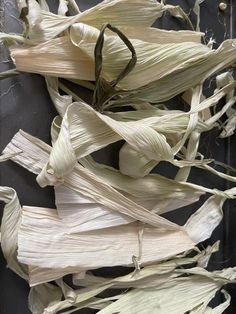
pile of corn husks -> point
(106, 217)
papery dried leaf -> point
(10, 224)
(42, 296)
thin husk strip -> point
(61, 102)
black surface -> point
(25, 104)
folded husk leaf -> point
(42, 296)
(84, 131)
(34, 157)
(10, 224)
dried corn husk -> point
(11, 221)
(101, 248)
(61, 102)
(103, 217)
(191, 293)
(166, 58)
(40, 275)
(42, 296)
(149, 276)
(59, 51)
(177, 82)
(27, 244)
(48, 26)
(193, 286)
(161, 36)
(152, 187)
(34, 156)
(83, 214)
(84, 131)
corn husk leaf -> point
(230, 126)
(177, 82)
(48, 26)
(79, 137)
(149, 276)
(210, 210)
(161, 36)
(161, 58)
(43, 5)
(40, 275)
(61, 102)
(201, 278)
(63, 7)
(46, 58)
(101, 248)
(190, 293)
(42, 296)
(10, 224)
(151, 187)
(220, 308)
(167, 59)
(82, 214)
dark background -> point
(25, 104)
